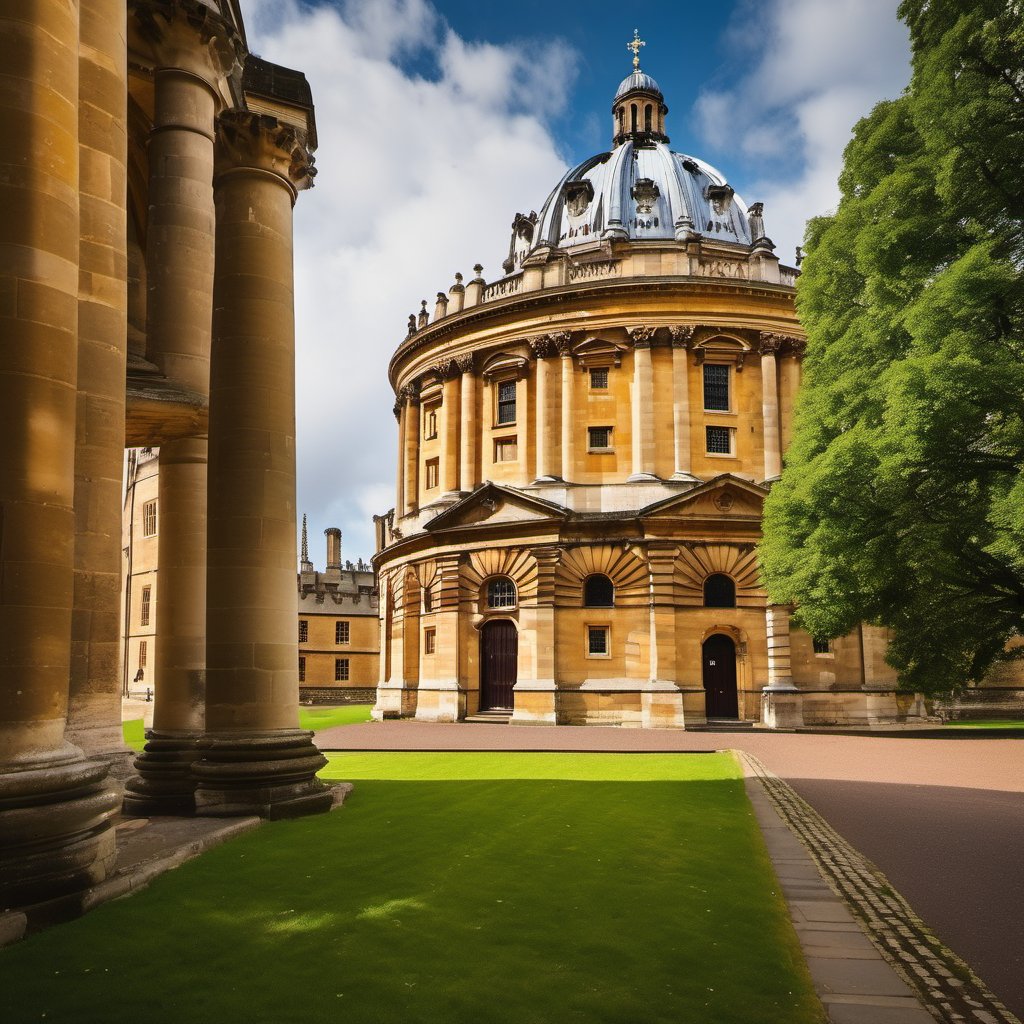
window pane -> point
(716, 387)
(341, 670)
(302, 670)
(718, 440)
(822, 646)
(501, 593)
(599, 378)
(144, 611)
(598, 639)
(303, 631)
(598, 591)
(507, 401)
(599, 437)
(719, 591)
(149, 519)
(341, 632)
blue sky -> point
(438, 120)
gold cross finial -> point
(635, 47)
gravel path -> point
(943, 819)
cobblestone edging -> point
(948, 987)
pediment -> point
(722, 497)
(491, 503)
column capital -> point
(190, 36)
(465, 362)
(541, 345)
(641, 336)
(250, 141)
(681, 335)
(768, 344)
(797, 347)
(446, 369)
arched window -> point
(622, 118)
(647, 118)
(632, 117)
(501, 593)
(719, 591)
(598, 591)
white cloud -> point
(418, 178)
(817, 68)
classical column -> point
(94, 711)
(789, 373)
(55, 806)
(392, 644)
(662, 700)
(469, 429)
(770, 344)
(642, 403)
(253, 757)
(411, 449)
(440, 697)
(543, 348)
(568, 411)
(179, 310)
(399, 411)
(781, 701)
(681, 337)
(451, 408)
(535, 699)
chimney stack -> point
(333, 535)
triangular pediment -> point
(492, 503)
(722, 497)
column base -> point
(164, 784)
(56, 833)
(444, 704)
(534, 703)
(388, 703)
(643, 478)
(271, 774)
(661, 707)
(549, 479)
(685, 477)
(782, 708)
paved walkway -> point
(942, 819)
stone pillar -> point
(643, 405)
(568, 412)
(543, 348)
(411, 450)
(179, 310)
(535, 700)
(681, 337)
(781, 701)
(662, 700)
(55, 805)
(399, 410)
(789, 372)
(392, 649)
(451, 406)
(770, 344)
(94, 711)
(253, 757)
(439, 697)
(469, 429)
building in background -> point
(338, 628)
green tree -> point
(902, 498)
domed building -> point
(585, 445)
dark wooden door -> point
(499, 659)
(719, 660)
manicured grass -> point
(325, 718)
(992, 723)
(134, 732)
(480, 888)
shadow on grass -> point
(479, 900)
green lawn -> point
(309, 718)
(991, 723)
(477, 888)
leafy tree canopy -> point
(902, 498)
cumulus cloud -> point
(815, 69)
(419, 177)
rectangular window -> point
(341, 670)
(507, 401)
(599, 378)
(145, 605)
(716, 387)
(428, 600)
(341, 632)
(429, 641)
(719, 440)
(506, 449)
(599, 439)
(302, 670)
(823, 647)
(430, 423)
(432, 473)
(143, 644)
(597, 641)
(149, 519)
(303, 631)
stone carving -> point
(720, 197)
(465, 362)
(458, 286)
(412, 324)
(724, 501)
(723, 268)
(797, 347)
(646, 193)
(586, 271)
(563, 342)
(424, 317)
(578, 196)
(641, 336)
(542, 346)
(681, 335)
(769, 344)
(755, 216)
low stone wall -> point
(983, 702)
(336, 695)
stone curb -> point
(942, 982)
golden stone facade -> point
(150, 168)
(585, 446)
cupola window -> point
(647, 117)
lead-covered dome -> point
(638, 80)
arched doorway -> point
(499, 658)
(719, 666)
